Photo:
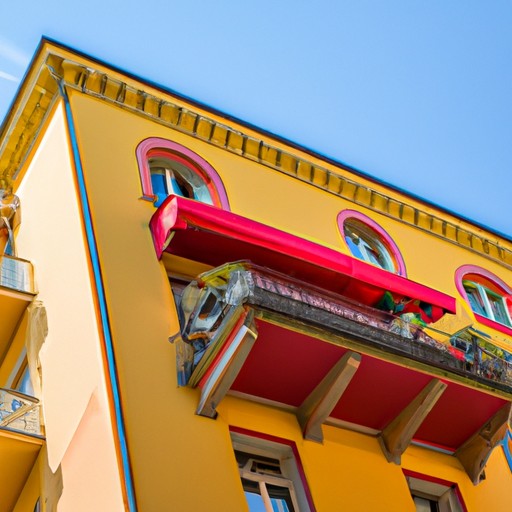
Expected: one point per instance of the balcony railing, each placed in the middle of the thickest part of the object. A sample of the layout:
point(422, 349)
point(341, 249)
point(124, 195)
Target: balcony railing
point(467, 352)
point(17, 274)
point(19, 412)
point(482, 357)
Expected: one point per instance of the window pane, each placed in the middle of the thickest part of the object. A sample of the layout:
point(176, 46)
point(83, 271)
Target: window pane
point(498, 308)
point(367, 245)
point(475, 300)
point(25, 383)
point(159, 186)
point(280, 498)
point(184, 181)
point(255, 502)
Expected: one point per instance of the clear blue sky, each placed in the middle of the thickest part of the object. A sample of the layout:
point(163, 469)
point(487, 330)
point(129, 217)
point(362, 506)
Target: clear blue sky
point(416, 93)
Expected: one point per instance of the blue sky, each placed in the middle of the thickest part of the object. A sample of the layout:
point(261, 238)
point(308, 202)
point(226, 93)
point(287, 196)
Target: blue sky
point(415, 93)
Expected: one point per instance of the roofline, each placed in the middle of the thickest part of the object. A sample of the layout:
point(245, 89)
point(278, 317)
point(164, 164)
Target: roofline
point(224, 115)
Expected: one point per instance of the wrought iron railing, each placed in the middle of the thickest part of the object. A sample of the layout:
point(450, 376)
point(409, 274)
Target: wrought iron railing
point(484, 358)
point(19, 412)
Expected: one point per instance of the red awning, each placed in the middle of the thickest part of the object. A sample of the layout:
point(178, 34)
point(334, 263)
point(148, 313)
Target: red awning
point(213, 236)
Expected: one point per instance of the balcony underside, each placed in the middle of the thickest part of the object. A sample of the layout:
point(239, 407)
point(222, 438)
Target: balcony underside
point(16, 293)
point(285, 366)
point(18, 453)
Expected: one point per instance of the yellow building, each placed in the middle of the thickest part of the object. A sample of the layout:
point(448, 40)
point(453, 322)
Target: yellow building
point(199, 315)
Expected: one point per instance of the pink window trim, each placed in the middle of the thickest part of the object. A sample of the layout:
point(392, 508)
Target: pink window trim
point(174, 149)
point(286, 442)
point(395, 251)
point(473, 269)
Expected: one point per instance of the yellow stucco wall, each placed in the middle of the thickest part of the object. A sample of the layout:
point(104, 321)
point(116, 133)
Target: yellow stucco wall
point(185, 460)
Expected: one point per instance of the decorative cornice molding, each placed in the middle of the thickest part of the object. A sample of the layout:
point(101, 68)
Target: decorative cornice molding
point(106, 87)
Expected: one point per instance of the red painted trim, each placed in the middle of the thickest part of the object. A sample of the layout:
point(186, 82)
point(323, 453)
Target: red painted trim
point(388, 241)
point(287, 442)
point(222, 351)
point(299, 255)
point(435, 480)
point(155, 146)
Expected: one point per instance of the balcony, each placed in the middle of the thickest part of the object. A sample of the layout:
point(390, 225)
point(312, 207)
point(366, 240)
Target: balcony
point(262, 336)
point(20, 442)
point(16, 293)
point(292, 324)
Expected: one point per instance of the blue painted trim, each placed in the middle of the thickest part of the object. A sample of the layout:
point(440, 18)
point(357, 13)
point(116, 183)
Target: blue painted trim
point(506, 449)
point(93, 252)
point(433, 448)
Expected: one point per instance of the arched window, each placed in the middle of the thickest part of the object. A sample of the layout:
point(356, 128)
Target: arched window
point(489, 297)
point(167, 168)
point(367, 241)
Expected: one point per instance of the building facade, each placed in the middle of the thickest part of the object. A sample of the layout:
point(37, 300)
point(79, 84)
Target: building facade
point(199, 315)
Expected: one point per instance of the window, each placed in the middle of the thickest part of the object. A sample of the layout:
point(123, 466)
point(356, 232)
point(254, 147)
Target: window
point(367, 241)
point(488, 296)
point(271, 475)
point(431, 494)
point(170, 176)
point(264, 484)
point(168, 168)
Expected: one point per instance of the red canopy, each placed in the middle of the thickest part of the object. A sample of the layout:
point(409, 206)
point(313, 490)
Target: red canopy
point(213, 236)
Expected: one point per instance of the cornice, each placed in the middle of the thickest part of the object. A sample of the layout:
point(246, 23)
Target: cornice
point(108, 87)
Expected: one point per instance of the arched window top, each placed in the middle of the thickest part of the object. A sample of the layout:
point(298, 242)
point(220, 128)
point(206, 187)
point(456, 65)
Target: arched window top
point(489, 297)
point(167, 167)
point(367, 241)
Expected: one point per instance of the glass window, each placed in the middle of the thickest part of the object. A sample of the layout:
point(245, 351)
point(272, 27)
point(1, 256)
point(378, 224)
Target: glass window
point(486, 302)
point(434, 495)
point(270, 475)
point(264, 484)
point(367, 245)
point(167, 167)
point(172, 177)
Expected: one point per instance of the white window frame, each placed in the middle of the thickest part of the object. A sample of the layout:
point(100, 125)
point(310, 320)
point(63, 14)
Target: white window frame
point(262, 479)
point(290, 474)
point(482, 292)
point(443, 495)
point(170, 173)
